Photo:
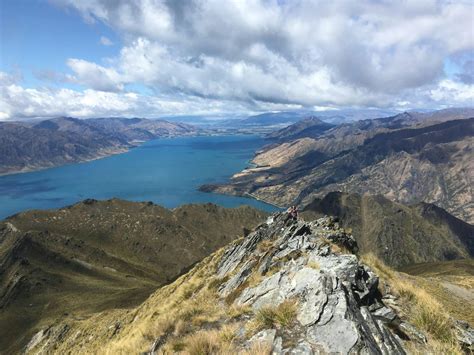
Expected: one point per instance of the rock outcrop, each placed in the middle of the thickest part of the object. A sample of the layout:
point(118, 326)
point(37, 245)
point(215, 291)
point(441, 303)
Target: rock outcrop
point(339, 309)
point(289, 287)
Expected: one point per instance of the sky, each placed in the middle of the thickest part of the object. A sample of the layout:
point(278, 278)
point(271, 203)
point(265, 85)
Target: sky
point(152, 58)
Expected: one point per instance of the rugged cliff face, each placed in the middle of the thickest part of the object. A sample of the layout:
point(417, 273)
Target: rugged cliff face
point(289, 287)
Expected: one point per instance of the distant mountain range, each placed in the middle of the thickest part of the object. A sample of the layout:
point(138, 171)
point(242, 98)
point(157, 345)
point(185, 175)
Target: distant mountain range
point(410, 158)
point(28, 146)
point(97, 255)
point(286, 118)
point(310, 126)
point(133, 277)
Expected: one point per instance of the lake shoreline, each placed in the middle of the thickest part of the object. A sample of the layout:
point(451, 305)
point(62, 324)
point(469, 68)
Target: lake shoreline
point(166, 171)
point(102, 155)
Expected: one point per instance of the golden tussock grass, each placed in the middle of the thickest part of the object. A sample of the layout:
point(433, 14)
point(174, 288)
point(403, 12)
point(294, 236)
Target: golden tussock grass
point(184, 306)
point(420, 307)
point(282, 315)
point(258, 348)
point(265, 245)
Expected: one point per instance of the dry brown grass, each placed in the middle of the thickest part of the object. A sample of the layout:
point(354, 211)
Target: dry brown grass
point(434, 347)
point(282, 315)
point(184, 306)
point(258, 348)
point(203, 343)
point(383, 271)
point(424, 311)
point(420, 308)
point(235, 311)
point(265, 245)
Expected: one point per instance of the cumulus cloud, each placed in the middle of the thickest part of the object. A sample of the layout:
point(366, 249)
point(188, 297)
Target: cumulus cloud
point(9, 78)
point(105, 41)
point(466, 75)
point(267, 52)
point(94, 76)
point(452, 91)
point(18, 102)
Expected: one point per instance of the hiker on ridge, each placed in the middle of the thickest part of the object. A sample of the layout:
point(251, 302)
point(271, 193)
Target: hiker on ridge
point(292, 213)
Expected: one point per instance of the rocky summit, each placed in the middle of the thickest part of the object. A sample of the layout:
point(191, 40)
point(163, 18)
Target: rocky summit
point(289, 287)
point(337, 306)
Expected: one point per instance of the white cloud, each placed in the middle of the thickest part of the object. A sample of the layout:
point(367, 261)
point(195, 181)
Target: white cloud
point(105, 41)
point(262, 53)
point(9, 78)
point(452, 91)
point(19, 102)
point(94, 76)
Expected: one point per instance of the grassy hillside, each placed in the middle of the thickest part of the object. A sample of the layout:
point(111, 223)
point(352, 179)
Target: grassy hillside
point(451, 283)
point(101, 255)
point(196, 315)
point(398, 234)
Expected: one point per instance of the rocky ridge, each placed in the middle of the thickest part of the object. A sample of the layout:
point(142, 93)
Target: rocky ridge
point(289, 287)
point(338, 306)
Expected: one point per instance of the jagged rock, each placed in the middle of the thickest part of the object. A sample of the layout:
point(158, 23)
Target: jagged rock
point(37, 338)
point(265, 336)
point(385, 314)
point(465, 335)
point(412, 332)
point(345, 240)
point(334, 293)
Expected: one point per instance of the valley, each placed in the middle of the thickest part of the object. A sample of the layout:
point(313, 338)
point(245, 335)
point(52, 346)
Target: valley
point(385, 207)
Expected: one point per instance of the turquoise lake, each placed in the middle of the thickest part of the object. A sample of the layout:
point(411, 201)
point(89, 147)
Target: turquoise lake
point(165, 171)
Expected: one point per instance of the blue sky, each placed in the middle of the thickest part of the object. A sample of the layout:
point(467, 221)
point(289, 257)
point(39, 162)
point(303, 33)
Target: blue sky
point(161, 57)
point(38, 36)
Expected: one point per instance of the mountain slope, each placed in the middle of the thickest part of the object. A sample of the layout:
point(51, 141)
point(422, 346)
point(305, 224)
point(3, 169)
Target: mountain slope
point(307, 127)
point(272, 119)
point(397, 234)
point(407, 162)
point(63, 140)
point(99, 255)
point(288, 287)
point(451, 282)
